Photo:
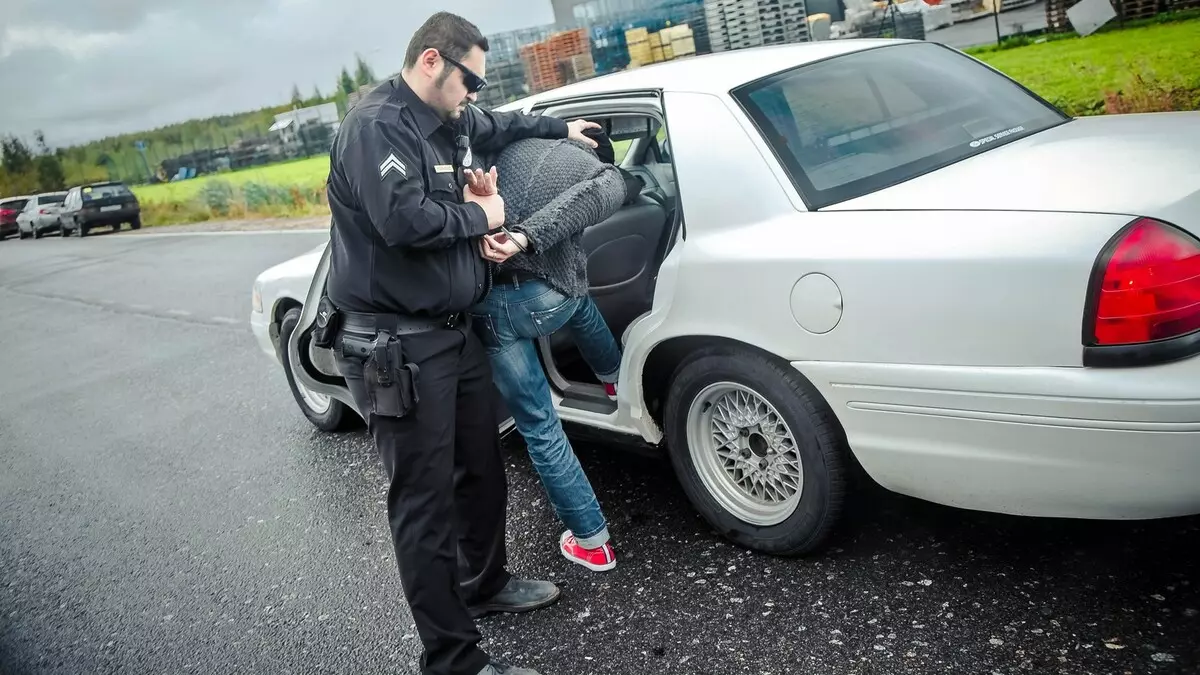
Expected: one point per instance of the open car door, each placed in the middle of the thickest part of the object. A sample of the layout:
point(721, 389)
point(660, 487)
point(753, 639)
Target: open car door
point(317, 368)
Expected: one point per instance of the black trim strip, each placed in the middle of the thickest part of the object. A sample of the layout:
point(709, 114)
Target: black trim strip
point(1146, 354)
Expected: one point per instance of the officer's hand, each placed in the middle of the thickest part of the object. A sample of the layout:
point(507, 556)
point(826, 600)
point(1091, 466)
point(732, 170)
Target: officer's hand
point(576, 128)
point(492, 249)
point(493, 206)
point(482, 184)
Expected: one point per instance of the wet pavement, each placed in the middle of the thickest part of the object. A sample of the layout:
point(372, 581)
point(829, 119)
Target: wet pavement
point(168, 509)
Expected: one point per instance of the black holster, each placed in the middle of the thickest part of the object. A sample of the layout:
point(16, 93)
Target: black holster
point(392, 383)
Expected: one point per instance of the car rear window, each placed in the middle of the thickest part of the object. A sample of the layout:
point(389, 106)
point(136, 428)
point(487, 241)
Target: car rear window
point(14, 205)
point(858, 123)
point(51, 199)
point(105, 191)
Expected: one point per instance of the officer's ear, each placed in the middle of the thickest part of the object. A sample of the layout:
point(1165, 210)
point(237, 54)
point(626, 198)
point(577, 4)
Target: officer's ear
point(428, 61)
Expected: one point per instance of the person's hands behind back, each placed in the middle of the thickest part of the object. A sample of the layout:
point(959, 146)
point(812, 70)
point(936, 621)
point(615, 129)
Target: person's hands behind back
point(481, 183)
point(493, 206)
point(492, 248)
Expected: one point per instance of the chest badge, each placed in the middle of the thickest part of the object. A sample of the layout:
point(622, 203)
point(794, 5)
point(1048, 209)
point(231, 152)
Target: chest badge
point(392, 163)
point(468, 159)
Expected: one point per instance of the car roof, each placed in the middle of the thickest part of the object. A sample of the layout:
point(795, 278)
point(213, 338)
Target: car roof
point(715, 73)
point(13, 199)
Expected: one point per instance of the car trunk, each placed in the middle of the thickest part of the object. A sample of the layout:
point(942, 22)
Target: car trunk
point(108, 200)
point(1135, 165)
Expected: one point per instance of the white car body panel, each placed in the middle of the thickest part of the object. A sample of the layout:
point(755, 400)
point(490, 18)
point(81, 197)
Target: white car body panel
point(955, 362)
point(288, 281)
point(1063, 442)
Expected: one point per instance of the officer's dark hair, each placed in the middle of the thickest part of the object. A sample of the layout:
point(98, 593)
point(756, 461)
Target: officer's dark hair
point(448, 33)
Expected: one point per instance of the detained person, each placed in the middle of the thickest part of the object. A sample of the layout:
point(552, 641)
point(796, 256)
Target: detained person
point(553, 189)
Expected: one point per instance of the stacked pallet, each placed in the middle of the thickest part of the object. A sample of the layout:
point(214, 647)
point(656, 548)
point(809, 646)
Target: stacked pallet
point(678, 40)
point(1057, 20)
point(543, 60)
point(578, 67)
point(739, 24)
point(637, 41)
point(667, 44)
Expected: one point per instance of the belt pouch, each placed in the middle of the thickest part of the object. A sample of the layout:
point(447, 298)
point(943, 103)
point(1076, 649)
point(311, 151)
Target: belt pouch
point(327, 324)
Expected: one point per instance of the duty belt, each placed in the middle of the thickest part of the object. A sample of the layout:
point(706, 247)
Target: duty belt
point(397, 324)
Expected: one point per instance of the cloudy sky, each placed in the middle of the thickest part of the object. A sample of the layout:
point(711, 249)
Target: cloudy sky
point(85, 69)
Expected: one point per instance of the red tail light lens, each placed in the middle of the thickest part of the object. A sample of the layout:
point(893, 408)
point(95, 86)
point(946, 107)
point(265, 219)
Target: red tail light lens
point(1151, 286)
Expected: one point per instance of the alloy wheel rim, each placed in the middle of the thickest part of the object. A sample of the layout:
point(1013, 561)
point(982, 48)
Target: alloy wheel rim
point(745, 453)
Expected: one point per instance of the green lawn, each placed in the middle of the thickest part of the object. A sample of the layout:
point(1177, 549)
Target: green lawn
point(306, 173)
point(1075, 73)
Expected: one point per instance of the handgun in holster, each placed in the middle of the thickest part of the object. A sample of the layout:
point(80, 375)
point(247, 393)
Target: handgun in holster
point(391, 383)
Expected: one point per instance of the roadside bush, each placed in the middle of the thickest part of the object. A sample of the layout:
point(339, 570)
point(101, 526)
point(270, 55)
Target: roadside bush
point(1143, 95)
point(259, 195)
point(218, 196)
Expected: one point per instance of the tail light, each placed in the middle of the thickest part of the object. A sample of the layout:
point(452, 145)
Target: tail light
point(1146, 287)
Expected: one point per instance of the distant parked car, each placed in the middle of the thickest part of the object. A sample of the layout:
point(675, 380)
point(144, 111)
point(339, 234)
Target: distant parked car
point(9, 208)
point(40, 214)
point(106, 204)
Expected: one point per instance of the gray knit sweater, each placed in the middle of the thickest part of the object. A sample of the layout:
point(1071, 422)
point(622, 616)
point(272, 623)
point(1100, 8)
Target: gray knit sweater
point(553, 190)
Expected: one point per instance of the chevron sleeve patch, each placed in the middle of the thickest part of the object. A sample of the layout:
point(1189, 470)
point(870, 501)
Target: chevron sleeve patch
point(392, 163)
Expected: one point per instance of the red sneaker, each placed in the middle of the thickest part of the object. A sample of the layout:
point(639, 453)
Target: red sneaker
point(610, 388)
point(600, 559)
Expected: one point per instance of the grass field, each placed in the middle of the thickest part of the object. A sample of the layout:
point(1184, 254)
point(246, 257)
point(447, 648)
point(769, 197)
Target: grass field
point(1075, 73)
point(309, 172)
point(1155, 66)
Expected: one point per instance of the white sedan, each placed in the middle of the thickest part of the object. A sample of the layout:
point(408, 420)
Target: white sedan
point(875, 253)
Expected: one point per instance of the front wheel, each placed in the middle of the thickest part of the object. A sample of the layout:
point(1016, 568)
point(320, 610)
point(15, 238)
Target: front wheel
point(325, 412)
point(757, 450)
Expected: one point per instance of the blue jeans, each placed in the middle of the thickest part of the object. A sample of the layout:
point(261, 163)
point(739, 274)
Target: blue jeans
point(509, 321)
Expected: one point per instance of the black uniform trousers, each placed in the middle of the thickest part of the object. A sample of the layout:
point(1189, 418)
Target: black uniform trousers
point(447, 496)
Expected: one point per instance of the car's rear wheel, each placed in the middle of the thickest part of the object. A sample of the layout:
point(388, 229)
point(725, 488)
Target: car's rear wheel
point(757, 450)
point(80, 230)
point(325, 412)
point(136, 223)
point(37, 234)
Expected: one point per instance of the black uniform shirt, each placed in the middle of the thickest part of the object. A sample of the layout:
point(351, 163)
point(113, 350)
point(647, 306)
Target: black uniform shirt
point(402, 240)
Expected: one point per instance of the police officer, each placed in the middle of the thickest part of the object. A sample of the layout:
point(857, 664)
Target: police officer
point(410, 252)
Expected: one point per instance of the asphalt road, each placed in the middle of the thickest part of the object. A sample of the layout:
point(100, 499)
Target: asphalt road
point(167, 509)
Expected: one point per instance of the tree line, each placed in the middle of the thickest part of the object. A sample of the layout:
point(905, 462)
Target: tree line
point(26, 169)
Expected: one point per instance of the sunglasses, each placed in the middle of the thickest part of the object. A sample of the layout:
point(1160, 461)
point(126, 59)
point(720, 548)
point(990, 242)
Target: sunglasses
point(473, 82)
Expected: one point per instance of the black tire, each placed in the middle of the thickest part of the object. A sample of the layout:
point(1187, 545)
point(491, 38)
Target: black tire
point(338, 416)
point(819, 440)
point(21, 234)
point(80, 230)
point(37, 234)
point(116, 227)
point(136, 223)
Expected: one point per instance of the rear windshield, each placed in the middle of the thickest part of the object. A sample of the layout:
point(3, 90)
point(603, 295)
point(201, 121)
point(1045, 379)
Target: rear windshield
point(105, 191)
point(14, 205)
point(52, 199)
point(858, 123)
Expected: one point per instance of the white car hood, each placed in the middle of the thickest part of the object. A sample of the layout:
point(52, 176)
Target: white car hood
point(1136, 165)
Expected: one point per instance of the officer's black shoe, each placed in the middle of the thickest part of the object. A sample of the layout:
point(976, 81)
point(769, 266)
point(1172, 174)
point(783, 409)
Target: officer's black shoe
point(518, 595)
point(495, 668)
